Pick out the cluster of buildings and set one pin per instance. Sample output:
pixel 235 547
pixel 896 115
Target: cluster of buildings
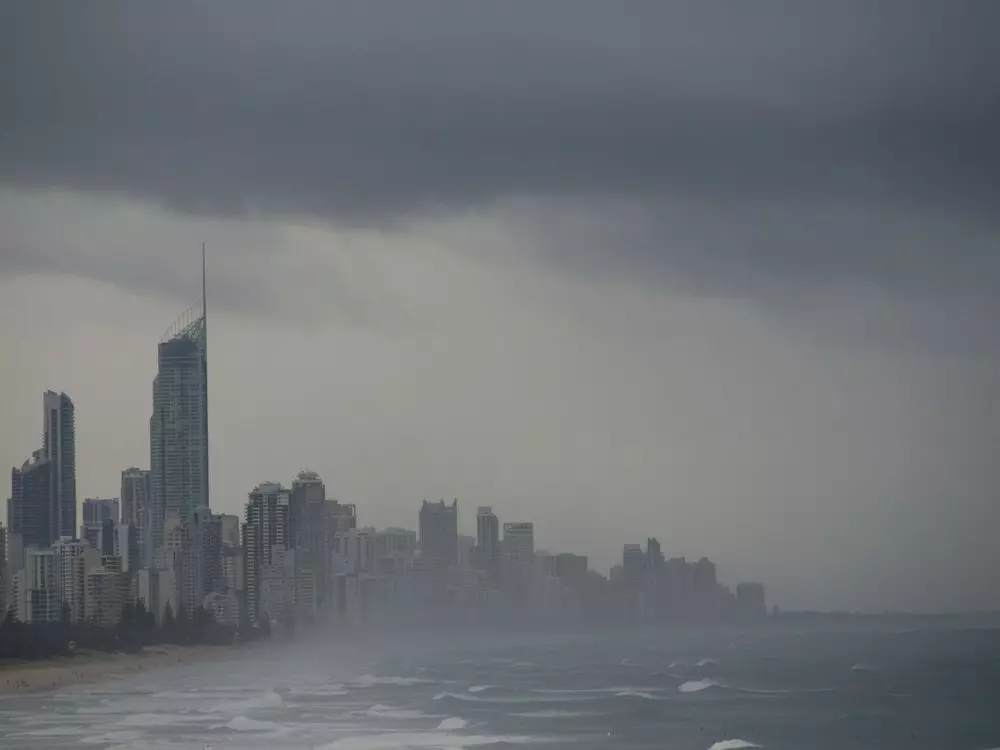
pixel 296 556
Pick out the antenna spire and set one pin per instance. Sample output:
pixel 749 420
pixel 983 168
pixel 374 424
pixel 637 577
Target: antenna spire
pixel 204 288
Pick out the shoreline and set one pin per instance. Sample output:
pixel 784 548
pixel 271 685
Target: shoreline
pixel 69 671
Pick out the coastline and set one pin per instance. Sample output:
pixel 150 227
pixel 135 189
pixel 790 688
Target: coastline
pixel 65 672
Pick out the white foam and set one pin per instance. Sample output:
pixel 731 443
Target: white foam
pixel 117 737
pixel 381 711
pixel 164 720
pixel 552 714
pixel 453 722
pixel 481 688
pixel 862 667
pixel 244 724
pixel 695 686
pixel 56 732
pixel 392 740
pixel 370 680
pixel 269 699
pixel 707 662
pixel 732 745
pixel 637 694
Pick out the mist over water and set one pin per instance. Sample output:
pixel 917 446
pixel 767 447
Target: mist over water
pixel 715 689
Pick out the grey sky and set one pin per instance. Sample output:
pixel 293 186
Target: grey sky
pixel 720 271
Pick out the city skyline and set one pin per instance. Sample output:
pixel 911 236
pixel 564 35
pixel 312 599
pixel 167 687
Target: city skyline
pixel 570 264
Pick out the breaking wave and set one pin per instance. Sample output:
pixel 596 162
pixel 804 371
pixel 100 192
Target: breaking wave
pixel 696 686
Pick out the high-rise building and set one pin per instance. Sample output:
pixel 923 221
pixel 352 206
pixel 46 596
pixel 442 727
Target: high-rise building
pixel 178 427
pixel 4 571
pixel 74 559
pixel 750 600
pixel 135 508
pixel 488 542
pixel 59 446
pixel 517 559
pixel 107 592
pixel 42 505
pixel 439 533
pixel 633 563
pixel 29 511
pixel 199 569
pixel 134 495
pixel 265 534
pixel 96 510
pixel 38 593
pixel 313 526
pixel 571 568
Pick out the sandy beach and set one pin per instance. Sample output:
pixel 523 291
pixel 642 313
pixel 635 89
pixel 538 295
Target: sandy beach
pixel 63 672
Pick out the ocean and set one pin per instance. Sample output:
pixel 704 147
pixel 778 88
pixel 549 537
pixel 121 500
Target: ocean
pixel 712 689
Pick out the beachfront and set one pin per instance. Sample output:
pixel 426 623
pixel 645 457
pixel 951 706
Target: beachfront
pixel 93 667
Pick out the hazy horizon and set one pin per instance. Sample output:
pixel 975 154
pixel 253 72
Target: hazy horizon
pixel 696 271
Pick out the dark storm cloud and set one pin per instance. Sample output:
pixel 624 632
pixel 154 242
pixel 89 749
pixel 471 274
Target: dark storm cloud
pixel 705 118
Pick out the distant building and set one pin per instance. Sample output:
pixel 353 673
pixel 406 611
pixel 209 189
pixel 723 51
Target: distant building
pixel 517 559
pixel 42 506
pixel 59 446
pixel 74 559
pixel 107 591
pixel 633 563
pixel 265 531
pixel 439 533
pixel 30 514
pixel 571 568
pixel 750 600
pixel 135 510
pixel 4 572
pixel 97 510
pixel 488 542
pixel 38 592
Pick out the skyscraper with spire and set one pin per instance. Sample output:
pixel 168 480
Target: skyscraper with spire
pixel 178 427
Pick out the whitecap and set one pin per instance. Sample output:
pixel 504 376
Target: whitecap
pixel 382 711
pixel 244 724
pixel 116 737
pixel 552 714
pixel 370 680
pixel 392 740
pixel 706 662
pixel 269 699
pixel 164 720
pixel 732 745
pixel 695 686
pixel 453 722
pixel 482 688
pixel 54 732
pixel 637 694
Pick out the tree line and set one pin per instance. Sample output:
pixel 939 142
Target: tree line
pixel 136 628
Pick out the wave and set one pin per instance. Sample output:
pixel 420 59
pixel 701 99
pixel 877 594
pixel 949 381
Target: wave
pixel 244 724
pixel 706 662
pixel 863 667
pixel 393 740
pixel 638 694
pixel 587 691
pixel 483 688
pixel 381 711
pixel 453 722
pixel 112 737
pixel 732 745
pixel 165 720
pixel 269 699
pixel 370 680
pixel 696 686
pixel 553 714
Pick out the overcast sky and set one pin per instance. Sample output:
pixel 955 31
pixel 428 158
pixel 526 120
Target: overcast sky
pixel 724 273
